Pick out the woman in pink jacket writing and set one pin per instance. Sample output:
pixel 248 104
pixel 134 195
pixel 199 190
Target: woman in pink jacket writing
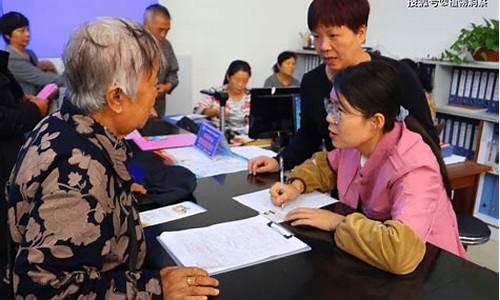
pixel 386 167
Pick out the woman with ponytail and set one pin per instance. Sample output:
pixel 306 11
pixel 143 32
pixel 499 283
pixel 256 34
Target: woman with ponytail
pixel 384 165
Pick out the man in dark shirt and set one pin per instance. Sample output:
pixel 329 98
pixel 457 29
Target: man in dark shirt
pixel 157 20
pixel 339 28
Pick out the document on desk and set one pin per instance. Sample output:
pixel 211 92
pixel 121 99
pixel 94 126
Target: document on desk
pixel 452 159
pixel 169 213
pixel 261 202
pixel 232 245
pixel 202 165
pixel 250 152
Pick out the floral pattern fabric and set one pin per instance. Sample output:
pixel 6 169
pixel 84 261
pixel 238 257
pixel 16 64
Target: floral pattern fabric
pixel 75 230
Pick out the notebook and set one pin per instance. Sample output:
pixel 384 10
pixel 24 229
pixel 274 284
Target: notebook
pixel 232 245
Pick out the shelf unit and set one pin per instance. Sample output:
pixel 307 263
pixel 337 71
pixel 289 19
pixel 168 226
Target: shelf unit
pixel 306 61
pixel 486 202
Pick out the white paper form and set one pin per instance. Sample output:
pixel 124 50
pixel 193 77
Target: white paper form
pixel 203 166
pixel 229 246
pixel 250 152
pixel 169 213
pixel 261 202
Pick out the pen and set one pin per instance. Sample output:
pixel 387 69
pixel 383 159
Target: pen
pixel 282 177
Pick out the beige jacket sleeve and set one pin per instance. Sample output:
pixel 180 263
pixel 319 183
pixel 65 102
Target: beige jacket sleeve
pixel 315 173
pixel 391 246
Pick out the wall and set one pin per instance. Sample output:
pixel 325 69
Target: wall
pixel 400 31
pixel 52 21
pixel 210 33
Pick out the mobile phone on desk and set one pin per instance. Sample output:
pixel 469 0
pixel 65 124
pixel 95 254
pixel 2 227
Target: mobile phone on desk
pixel 47 91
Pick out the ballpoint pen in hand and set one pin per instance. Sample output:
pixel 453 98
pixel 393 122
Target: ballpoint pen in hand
pixel 282 181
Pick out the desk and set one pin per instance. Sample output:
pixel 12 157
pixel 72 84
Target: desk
pixel 325 272
pixel 464 181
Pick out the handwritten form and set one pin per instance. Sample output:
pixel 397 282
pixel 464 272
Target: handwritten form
pixel 229 246
pixel 261 202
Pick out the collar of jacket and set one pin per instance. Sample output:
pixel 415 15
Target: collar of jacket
pixel 384 148
pixel 115 149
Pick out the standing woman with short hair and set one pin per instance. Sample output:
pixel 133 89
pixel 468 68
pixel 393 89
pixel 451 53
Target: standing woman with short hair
pixel 340 29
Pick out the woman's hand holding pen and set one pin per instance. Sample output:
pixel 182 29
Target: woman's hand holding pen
pixel 284 193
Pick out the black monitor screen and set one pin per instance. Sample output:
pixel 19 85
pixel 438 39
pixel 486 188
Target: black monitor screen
pixel 273 110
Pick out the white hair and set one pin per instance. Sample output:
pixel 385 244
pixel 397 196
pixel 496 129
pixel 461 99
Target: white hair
pixel 107 52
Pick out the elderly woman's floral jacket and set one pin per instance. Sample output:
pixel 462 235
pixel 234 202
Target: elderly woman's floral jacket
pixel 75 231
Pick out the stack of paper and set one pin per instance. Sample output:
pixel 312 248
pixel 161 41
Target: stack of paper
pixel 261 202
pixel 232 245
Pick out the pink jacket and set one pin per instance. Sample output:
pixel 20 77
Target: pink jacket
pixel 400 181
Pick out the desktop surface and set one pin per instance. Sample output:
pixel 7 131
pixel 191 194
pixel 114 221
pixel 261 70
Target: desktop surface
pixel 325 272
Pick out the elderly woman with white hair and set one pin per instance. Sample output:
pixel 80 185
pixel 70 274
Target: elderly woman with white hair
pixel 74 228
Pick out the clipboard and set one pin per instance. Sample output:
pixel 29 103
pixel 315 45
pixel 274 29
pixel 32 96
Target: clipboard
pixel 232 245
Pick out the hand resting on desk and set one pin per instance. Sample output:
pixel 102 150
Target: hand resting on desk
pixel 315 217
pixel 187 283
pixel 262 164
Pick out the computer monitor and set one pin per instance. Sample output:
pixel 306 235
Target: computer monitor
pixel 274 111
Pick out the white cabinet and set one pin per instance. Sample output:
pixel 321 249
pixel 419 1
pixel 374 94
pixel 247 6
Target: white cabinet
pixel 473 130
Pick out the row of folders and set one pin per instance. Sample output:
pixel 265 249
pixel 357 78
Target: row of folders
pixel 474 87
pixel 459 132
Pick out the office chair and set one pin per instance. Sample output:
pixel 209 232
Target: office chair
pixel 472 231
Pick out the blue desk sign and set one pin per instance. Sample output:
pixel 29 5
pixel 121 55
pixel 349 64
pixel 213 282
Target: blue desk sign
pixel 208 139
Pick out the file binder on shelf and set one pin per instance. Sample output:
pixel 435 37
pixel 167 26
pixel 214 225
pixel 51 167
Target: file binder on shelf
pixel 490 88
pixel 454 87
pixel 474 88
pixel 493 105
pixel 482 88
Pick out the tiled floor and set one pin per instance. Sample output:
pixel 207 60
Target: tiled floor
pixel 485 255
